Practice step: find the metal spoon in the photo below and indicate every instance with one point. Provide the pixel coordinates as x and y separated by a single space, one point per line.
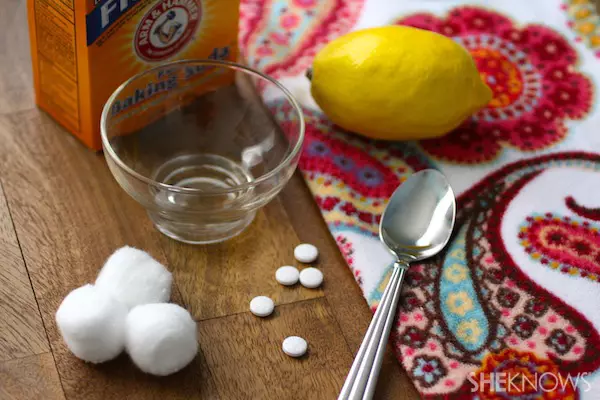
416 224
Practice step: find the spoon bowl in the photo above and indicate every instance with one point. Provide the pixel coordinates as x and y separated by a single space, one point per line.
419 216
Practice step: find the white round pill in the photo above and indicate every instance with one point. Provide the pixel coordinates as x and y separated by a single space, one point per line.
262 306
287 275
306 253
294 346
311 278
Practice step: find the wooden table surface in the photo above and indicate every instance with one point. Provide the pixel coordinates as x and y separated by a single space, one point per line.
62 215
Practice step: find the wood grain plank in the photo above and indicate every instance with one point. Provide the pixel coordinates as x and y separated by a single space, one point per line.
119 379
21 330
16 83
244 353
341 291
70 215
221 279
30 378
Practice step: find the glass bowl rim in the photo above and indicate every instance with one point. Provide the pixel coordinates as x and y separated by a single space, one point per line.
179 189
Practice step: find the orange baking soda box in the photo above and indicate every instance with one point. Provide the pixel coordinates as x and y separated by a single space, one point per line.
82 50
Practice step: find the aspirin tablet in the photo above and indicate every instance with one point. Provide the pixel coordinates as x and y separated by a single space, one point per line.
287 275
261 306
311 278
294 346
306 253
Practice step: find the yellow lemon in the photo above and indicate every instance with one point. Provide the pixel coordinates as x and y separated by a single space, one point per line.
397 83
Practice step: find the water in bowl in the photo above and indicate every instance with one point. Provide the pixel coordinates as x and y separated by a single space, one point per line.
205 173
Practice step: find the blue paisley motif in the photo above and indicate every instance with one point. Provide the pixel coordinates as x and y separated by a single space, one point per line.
462 313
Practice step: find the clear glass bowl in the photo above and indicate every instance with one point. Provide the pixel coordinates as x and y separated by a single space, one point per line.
197 146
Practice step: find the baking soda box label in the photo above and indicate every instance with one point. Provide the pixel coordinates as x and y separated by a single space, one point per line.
82 50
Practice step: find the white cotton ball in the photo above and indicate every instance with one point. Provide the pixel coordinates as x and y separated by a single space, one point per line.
160 338
133 277
92 324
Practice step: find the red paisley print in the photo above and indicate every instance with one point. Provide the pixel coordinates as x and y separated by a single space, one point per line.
526 324
281 37
567 244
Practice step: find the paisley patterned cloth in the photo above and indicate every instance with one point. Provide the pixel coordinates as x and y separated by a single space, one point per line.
511 309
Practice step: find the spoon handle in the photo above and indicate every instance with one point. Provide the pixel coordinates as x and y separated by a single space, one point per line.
358 359
361 380
389 321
